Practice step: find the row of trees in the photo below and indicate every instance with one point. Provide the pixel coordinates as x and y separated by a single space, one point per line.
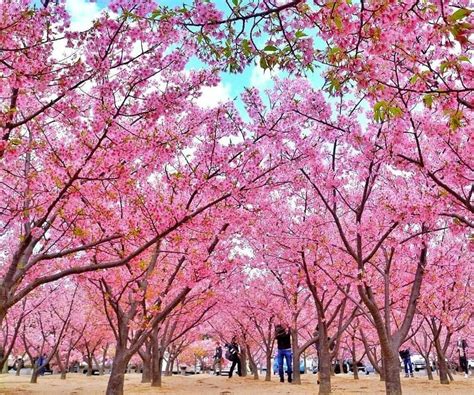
117 187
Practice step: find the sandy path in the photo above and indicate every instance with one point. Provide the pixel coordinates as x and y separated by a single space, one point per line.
78 384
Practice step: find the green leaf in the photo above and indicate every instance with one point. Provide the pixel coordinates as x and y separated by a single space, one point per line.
155 14
338 22
459 14
464 58
270 48
246 47
428 100
263 63
235 2
334 85
444 66
455 120
300 34
414 78
395 112
379 110
15 141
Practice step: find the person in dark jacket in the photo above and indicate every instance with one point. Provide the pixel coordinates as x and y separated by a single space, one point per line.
233 355
283 338
405 355
217 367
463 364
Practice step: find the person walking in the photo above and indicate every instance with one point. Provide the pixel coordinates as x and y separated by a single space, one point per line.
405 355
217 360
233 355
283 338
462 345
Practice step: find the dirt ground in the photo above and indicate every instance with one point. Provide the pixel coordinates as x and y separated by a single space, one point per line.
204 384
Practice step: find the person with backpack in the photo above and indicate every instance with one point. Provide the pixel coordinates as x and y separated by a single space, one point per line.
233 355
283 339
217 367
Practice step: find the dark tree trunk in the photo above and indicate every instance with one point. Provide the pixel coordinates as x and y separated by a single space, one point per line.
156 366
391 366
102 365
450 374
243 361
253 365
169 366
355 368
145 355
428 368
296 356
355 371
268 373
146 371
442 366
117 375
324 362
61 367
34 376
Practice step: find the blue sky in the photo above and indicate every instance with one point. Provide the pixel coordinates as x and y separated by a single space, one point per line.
83 12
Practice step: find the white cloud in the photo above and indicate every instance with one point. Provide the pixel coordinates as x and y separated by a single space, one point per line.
213 95
83 13
260 78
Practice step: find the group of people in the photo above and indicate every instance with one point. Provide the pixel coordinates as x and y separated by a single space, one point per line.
283 338
284 356
232 354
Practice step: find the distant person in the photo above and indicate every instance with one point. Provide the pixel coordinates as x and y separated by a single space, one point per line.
19 364
232 355
462 346
217 360
405 355
40 363
283 338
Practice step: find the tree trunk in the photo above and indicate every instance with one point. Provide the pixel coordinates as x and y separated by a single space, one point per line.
391 366
61 366
104 356
146 371
3 313
243 361
169 366
89 366
428 368
117 375
253 365
268 373
355 371
324 362
450 375
296 357
34 376
145 356
442 366
355 368
156 366
4 365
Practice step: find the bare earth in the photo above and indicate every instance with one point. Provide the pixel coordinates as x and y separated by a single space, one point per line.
204 384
